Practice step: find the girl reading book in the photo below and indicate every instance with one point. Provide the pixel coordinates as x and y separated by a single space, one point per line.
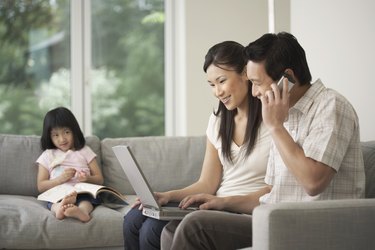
66 159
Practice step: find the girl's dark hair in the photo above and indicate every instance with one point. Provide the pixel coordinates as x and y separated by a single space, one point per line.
61 118
229 54
279 52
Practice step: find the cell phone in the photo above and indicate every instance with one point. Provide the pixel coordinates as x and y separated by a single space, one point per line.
290 82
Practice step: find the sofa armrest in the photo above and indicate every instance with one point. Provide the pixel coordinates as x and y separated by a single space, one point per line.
338 224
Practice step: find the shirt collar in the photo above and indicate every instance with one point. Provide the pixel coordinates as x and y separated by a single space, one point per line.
307 100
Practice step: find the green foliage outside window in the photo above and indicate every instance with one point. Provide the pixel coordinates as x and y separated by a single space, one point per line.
127 57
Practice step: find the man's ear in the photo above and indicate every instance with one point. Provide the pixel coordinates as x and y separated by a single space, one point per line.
289 73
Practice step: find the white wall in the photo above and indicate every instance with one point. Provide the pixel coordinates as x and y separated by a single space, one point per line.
205 23
339 40
338 37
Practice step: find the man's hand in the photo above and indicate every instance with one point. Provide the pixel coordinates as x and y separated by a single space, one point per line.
275 105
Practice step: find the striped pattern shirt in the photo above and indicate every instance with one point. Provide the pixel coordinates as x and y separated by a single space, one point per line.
325 126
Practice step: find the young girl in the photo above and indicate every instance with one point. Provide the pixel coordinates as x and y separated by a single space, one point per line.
66 159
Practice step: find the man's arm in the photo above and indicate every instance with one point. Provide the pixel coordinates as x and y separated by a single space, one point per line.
314 176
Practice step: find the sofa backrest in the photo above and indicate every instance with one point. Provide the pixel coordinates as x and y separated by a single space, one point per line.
18 170
167 162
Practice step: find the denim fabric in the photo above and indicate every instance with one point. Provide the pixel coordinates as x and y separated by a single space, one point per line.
141 232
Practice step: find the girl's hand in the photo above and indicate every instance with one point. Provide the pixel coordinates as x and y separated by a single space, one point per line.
82 176
67 175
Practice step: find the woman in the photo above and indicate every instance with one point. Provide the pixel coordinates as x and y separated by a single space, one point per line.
236 150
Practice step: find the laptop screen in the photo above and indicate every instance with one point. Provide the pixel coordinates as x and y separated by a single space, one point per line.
135 175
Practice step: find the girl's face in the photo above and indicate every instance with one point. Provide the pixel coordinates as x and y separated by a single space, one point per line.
62 138
228 86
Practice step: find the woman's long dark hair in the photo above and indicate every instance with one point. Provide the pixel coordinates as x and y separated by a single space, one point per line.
231 55
61 118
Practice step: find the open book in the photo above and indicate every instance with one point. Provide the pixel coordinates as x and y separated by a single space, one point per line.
109 196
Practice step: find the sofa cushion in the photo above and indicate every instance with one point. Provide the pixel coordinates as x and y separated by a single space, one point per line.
168 163
27 223
18 171
368 150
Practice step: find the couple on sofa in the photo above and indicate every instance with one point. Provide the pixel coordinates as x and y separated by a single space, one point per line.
266 143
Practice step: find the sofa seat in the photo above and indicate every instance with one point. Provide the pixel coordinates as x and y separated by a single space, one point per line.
27 221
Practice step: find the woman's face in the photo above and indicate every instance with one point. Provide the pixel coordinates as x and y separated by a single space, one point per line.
228 86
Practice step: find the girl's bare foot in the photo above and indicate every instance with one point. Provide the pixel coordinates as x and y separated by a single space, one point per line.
59 207
73 211
69 199
59 211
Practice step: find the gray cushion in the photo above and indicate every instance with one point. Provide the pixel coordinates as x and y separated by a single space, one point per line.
18 171
26 222
368 149
168 163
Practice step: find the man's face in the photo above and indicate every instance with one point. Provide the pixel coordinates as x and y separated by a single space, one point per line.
257 75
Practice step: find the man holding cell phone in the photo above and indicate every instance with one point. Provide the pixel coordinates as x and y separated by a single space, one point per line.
315 152
315 130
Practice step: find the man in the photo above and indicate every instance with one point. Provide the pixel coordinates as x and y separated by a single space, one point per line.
315 154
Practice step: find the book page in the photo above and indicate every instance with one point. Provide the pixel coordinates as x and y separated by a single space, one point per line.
56 193
87 187
109 196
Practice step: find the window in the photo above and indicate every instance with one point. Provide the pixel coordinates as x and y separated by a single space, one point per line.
128 67
34 62
114 80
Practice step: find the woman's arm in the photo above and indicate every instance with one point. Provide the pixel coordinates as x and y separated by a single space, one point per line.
237 203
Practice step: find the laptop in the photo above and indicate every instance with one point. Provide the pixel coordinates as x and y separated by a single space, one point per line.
151 208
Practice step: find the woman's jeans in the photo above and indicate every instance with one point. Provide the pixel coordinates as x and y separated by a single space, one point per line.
141 232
